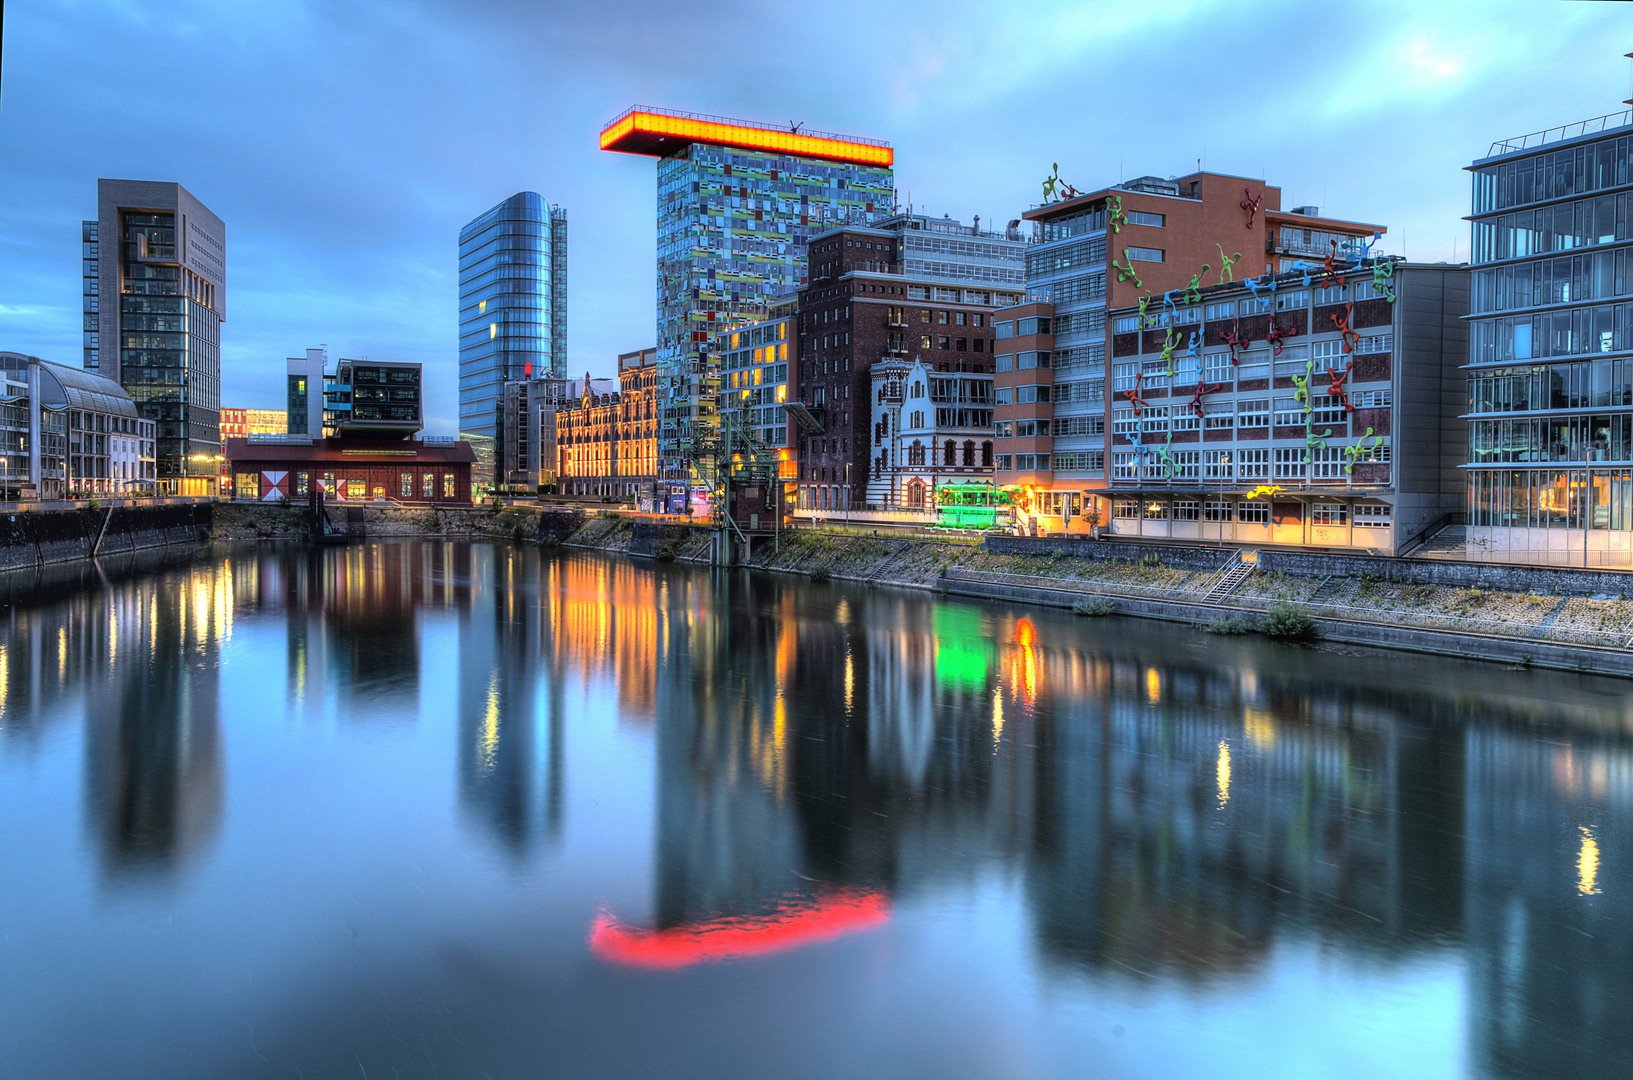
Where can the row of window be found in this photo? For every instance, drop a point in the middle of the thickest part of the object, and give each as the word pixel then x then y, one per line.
pixel 1603 328
pixel 248 486
pixel 1554 174
pixel 1568 280
pixel 1159 314
pixel 1551 499
pixel 1280 463
pixel 1374 515
pixel 1249 364
pixel 1551 228
pixel 1567 438
pixel 1581 384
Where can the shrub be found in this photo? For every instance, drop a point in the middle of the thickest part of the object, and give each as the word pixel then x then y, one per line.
pixel 1229 625
pixel 820 573
pixel 664 553
pixel 1287 621
pixel 1094 605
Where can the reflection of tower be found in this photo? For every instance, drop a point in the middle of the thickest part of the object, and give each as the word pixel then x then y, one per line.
pixel 510 772
pixel 1550 905
pixel 153 748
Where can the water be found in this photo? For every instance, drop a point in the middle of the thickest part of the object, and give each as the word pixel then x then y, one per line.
pixel 438 810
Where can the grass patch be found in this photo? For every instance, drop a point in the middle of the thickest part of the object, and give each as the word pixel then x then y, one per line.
pixel 1229 625
pixel 1094 605
pixel 821 573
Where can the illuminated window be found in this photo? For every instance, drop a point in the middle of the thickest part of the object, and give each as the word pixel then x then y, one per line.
pixel 357 489
pixel 428 487
pixel 406 485
pixel 447 485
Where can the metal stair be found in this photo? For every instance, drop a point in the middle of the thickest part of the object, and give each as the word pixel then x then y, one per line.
pixel 1229 578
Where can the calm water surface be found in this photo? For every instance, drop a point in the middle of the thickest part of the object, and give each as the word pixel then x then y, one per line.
pixel 437 810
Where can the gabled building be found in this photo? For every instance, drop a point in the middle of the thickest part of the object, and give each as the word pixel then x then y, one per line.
pixel 929 428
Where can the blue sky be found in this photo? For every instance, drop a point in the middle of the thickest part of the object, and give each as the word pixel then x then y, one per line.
pixel 345 143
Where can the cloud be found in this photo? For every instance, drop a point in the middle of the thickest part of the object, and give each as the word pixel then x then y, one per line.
pixel 346 142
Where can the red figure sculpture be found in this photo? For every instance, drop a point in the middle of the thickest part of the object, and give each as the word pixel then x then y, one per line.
pixel 1251 204
pixel 1134 395
pixel 1276 334
pixel 1349 337
pixel 1234 340
pixel 1336 378
pixel 1196 398
pixel 1327 273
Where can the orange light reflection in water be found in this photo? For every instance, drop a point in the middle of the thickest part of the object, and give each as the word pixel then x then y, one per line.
pixel 801 923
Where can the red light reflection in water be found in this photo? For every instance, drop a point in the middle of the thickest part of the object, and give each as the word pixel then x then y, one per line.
pixel 802 922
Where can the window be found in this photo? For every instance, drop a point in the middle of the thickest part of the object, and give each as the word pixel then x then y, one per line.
pixel 1154 510
pixel 1294 360
pixel 405 485
pixel 960 319
pixel 941 317
pixel 1329 514
pixel 1216 510
pixel 1003 462
pixel 1122 466
pixel 1144 254
pixel 1026 360
pixel 1252 464
pixel 428 486
pixel 1216 464
pixel 1253 414
pixel 329 483
pixel 1329 409
pixel 1376 343
pixel 944 343
pixel 1125 508
pixel 1003 395
pixel 1125 324
pixel 357 489
pixel 1123 376
pixel 1289 463
pixel 1289 413
pixel 1124 422
pixel 447 485
pixel 1140 217
pixel 1004 362
pixel 1217 368
pixel 1185 510
pixel 1293 301
pixel 1217 417
pixel 1079 425
pixel 1253 513
pixel 1184 419
pixel 1373 515
pixel 1080 461
pixel 247 485
pixel 1004 329
pixel 1032 326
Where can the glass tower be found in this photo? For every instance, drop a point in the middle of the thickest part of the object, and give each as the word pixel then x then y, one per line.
pixel 154 300
pixel 736 203
pixel 1550 371
pixel 512 304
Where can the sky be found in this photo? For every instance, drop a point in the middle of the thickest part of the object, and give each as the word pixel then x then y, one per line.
pixel 346 142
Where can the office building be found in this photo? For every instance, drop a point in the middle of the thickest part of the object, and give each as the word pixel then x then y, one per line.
pixel 512 305
pixel 736 203
pixel 1321 415
pixel 238 423
pixel 759 376
pixel 527 460
pixel 1146 239
pixel 304 415
pixel 379 398
pixel 1550 364
pixel 862 308
pixel 69 433
pixel 155 295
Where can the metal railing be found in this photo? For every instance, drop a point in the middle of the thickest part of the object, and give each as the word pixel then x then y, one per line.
pixel 1559 134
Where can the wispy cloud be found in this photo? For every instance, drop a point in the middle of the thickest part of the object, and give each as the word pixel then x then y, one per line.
pixel 345 142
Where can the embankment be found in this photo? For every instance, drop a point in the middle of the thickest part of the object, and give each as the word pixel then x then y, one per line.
pixel 41 537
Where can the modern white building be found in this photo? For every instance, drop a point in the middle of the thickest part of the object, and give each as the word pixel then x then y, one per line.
pixel 68 432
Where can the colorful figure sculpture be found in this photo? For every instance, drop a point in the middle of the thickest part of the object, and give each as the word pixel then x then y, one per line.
pixel 1134 395
pixel 1193 291
pixel 1049 183
pixel 1301 392
pixel 1336 378
pixel 1313 442
pixel 1275 334
pixel 1251 204
pixel 1196 398
pixel 1168 343
pixel 1349 337
pixel 1234 340
pixel 1194 352
pixel 1225 264
pixel 1353 453
pixel 1329 273
pixel 1170 311
pixel 1365 251
pixel 1125 270
pixel 1114 214
pixel 1145 320
pixel 1165 457
pixel 1383 273
pixel 1253 286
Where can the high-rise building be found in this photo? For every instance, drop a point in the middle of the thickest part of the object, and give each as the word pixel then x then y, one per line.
pixel 1550 364
pixel 737 202
pixel 512 305
pixel 1146 239
pixel 154 302
pixel 305 409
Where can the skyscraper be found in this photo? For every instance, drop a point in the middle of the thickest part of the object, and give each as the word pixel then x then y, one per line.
pixel 737 201
pixel 164 280
pixel 512 304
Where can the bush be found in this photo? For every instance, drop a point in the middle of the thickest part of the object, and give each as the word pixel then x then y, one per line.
pixel 1229 625
pixel 820 573
pixel 1094 605
pixel 1287 621
pixel 664 553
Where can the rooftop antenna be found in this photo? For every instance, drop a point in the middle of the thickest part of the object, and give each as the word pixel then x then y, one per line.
pixel 794 128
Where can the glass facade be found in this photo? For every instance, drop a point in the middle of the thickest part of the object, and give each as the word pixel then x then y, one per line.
pixel 732 230
pixel 165 348
pixel 1550 366
pixel 512 304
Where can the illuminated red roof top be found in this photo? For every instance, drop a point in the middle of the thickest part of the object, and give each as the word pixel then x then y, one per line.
pixel 660 132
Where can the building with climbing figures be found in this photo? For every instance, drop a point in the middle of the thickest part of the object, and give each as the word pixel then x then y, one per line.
pixel 736 203
pixel 1549 460
pixel 1149 242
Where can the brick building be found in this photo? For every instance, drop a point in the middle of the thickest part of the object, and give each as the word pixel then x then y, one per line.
pixel 238 423
pixel 605 442
pixel 861 307
pixel 1150 239
pixel 352 469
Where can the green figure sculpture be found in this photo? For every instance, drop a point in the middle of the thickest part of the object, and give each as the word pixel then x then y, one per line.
pixel 1168 343
pixel 1125 270
pixel 1114 214
pixel 1193 291
pixel 1354 452
pixel 1146 321
pixel 1226 262
pixel 1383 271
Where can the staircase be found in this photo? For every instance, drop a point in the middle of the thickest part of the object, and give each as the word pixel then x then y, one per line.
pixel 1329 585
pixel 1231 576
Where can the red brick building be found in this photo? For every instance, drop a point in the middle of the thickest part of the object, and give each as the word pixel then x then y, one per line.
pixel 353 469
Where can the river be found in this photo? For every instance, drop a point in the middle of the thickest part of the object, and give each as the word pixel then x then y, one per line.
pixel 458 810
